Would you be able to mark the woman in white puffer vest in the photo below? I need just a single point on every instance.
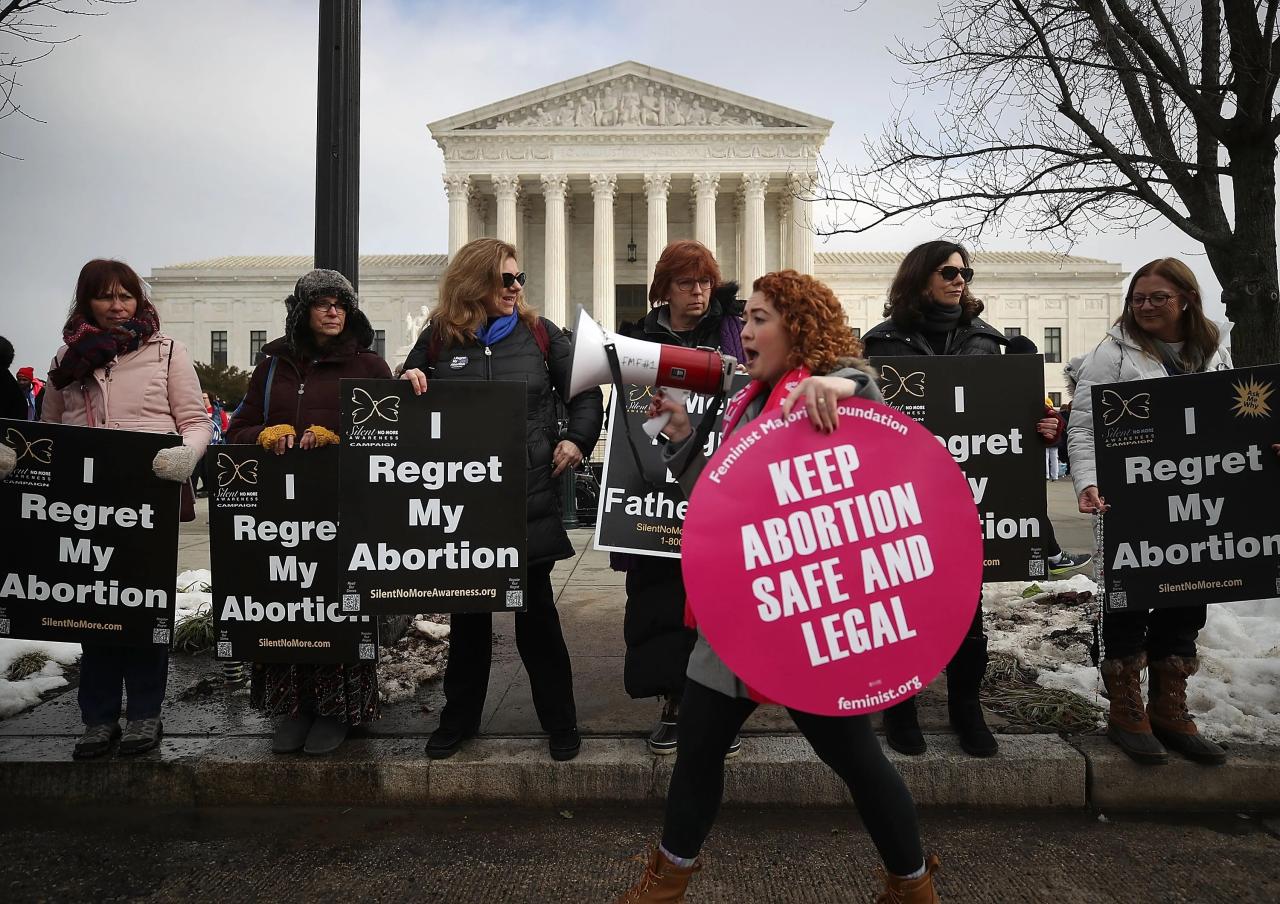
(1163, 332)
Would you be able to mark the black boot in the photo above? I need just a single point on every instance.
(902, 728)
(964, 709)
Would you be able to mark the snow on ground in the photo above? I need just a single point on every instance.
(15, 696)
(1235, 695)
(193, 592)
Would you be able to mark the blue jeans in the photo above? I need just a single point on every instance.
(107, 671)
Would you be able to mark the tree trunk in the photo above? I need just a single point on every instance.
(1247, 267)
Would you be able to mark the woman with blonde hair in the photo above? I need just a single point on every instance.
(1162, 332)
(795, 331)
(483, 329)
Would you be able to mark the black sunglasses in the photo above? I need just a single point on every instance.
(949, 273)
(510, 279)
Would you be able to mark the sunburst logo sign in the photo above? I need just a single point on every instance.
(1251, 398)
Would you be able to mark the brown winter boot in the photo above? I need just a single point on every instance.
(662, 883)
(911, 891)
(1167, 709)
(1127, 723)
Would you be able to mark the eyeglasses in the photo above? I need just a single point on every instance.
(687, 283)
(510, 279)
(321, 304)
(949, 273)
(114, 296)
(1155, 299)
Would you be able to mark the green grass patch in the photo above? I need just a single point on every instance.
(1010, 689)
(195, 633)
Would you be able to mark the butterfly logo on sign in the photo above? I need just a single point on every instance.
(1116, 406)
(894, 384)
(40, 450)
(387, 408)
(230, 470)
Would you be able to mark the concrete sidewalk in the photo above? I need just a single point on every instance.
(216, 749)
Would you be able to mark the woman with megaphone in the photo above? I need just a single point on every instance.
(693, 309)
(795, 335)
(483, 329)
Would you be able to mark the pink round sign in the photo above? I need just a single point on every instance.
(833, 573)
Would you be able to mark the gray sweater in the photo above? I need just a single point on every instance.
(686, 460)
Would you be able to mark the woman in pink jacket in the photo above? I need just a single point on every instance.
(118, 370)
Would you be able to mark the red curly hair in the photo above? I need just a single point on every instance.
(813, 318)
(685, 258)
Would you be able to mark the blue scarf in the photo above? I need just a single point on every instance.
(495, 331)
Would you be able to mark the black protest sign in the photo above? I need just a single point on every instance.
(433, 496)
(1186, 466)
(644, 513)
(91, 551)
(984, 409)
(273, 548)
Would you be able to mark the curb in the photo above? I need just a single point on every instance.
(1031, 772)
(1249, 780)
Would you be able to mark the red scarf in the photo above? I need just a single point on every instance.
(732, 414)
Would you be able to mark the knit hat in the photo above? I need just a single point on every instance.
(28, 372)
(324, 284)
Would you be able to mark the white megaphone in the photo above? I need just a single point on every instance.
(646, 363)
(680, 370)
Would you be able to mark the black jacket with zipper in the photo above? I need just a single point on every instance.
(518, 358)
(977, 337)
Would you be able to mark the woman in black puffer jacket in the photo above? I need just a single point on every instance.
(690, 308)
(932, 312)
(484, 330)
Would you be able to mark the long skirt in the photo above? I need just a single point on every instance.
(346, 692)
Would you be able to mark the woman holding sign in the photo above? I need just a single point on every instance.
(693, 309)
(932, 312)
(483, 329)
(795, 327)
(118, 370)
(1162, 332)
(293, 401)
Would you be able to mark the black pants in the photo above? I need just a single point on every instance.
(106, 672)
(658, 643)
(1161, 632)
(542, 650)
(709, 721)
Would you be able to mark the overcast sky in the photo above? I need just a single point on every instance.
(177, 130)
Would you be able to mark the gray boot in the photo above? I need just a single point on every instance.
(291, 733)
(326, 735)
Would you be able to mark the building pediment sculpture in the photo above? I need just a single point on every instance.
(630, 96)
(630, 103)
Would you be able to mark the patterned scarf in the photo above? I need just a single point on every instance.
(90, 347)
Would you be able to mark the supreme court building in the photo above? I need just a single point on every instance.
(590, 178)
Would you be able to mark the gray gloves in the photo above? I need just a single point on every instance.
(8, 458)
(175, 464)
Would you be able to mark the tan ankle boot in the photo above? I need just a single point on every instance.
(662, 883)
(911, 891)
(1167, 709)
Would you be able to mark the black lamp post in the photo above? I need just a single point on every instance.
(338, 139)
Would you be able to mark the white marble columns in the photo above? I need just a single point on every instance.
(754, 186)
(705, 186)
(801, 251)
(505, 189)
(458, 188)
(603, 293)
(657, 187)
(555, 279)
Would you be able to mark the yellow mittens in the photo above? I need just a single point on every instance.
(324, 436)
(269, 435)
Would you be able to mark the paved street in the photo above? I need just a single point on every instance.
(286, 855)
